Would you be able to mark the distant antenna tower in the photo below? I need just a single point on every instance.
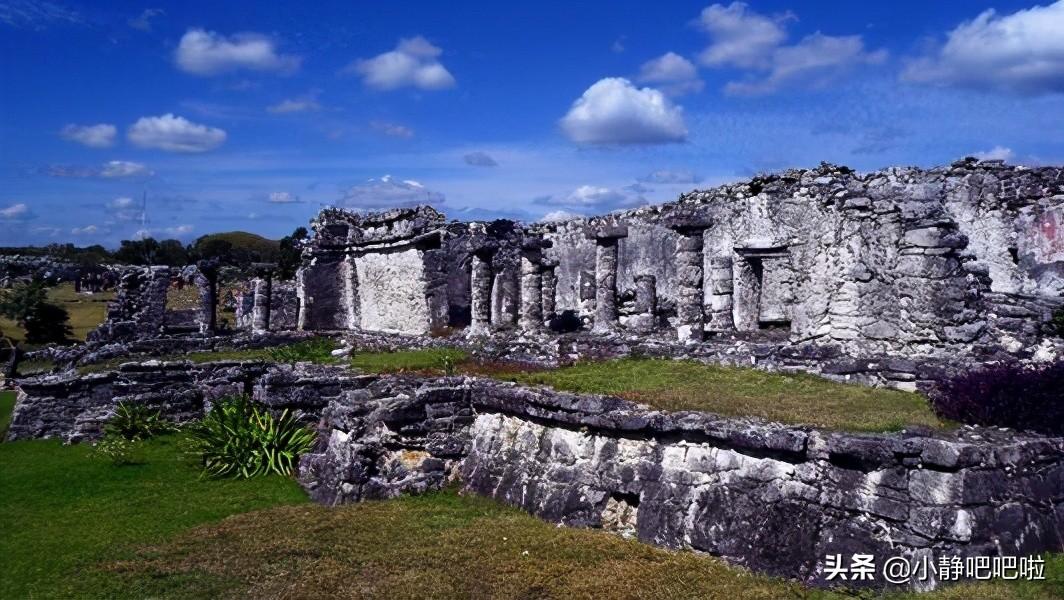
(144, 215)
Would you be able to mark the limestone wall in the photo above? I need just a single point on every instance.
(774, 498)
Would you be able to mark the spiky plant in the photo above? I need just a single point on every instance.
(240, 438)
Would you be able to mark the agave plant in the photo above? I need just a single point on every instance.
(240, 438)
(137, 422)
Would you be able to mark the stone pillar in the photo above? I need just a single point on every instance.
(690, 294)
(531, 308)
(720, 294)
(646, 304)
(506, 295)
(208, 292)
(481, 278)
(606, 238)
(260, 311)
(550, 288)
(646, 294)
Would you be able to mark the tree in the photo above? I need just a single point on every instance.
(28, 306)
(291, 253)
(138, 252)
(172, 253)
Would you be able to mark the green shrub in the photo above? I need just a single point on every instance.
(137, 422)
(240, 438)
(1057, 322)
(317, 350)
(119, 450)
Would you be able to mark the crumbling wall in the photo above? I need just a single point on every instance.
(378, 272)
(774, 498)
(138, 308)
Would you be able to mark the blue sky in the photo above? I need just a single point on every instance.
(243, 115)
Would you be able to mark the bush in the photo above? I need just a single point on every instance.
(1006, 396)
(138, 422)
(28, 306)
(240, 438)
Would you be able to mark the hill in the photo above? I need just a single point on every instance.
(254, 244)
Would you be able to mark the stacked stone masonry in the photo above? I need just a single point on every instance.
(773, 498)
(964, 262)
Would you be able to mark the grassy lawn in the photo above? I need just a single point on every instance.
(87, 311)
(733, 391)
(76, 527)
(62, 511)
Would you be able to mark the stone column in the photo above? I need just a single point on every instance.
(260, 311)
(720, 294)
(646, 304)
(690, 294)
(208, 291)
(550, 288)
(263, 294)
(531, 308)
(481, 278)
(606, 238)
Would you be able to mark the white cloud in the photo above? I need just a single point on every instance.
(143, 22)
(114, 169)
(480, 159)
(1021, 52)
(667, 176)
(556, 216)
(744, 39)
(86, 230)
(812, 62)
(283, 198)
(37, 14)
(996, 153)
(595, 197)
(392, 129)
(206, 53)
(414, 62)
(93, 136)
(613, 111)
(305, 103)
(741, 38)
(123, 168)
(386, 192)
(125, 209)
(674, 74)
(178, 230)
(175, 134)
(16, 212)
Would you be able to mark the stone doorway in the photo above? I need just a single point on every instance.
(761, 288)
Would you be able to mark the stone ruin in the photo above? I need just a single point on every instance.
(899, 277)
(816, 269)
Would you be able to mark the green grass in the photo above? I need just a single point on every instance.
(731, 391)
(86, 311)
(7, 404)
(76, 527)
(316, 350)
(664, 384)
(426, 359)
(62, 511)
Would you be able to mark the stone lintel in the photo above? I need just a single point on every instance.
(606, 231)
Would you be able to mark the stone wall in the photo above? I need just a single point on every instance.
(961, 263)
(379, 272)
(774, 498)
